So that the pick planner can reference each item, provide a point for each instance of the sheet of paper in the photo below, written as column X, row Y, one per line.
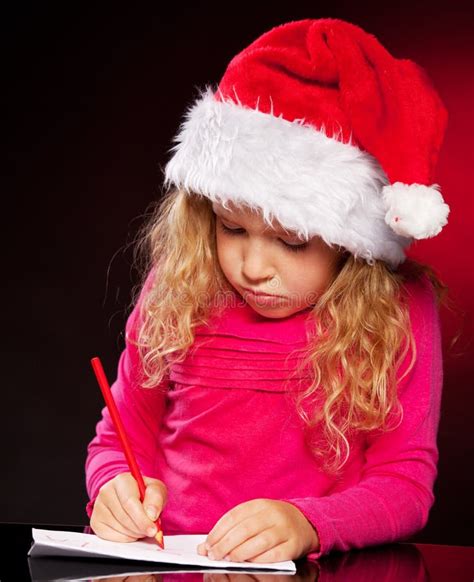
column 179, row 549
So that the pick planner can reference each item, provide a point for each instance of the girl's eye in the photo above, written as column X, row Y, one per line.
column 288, row 246
column 295, row 248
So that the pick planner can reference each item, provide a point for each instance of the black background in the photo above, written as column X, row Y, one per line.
column 93, row 94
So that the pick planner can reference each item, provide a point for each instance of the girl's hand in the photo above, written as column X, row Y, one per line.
column 118, row 513
column 261, row 530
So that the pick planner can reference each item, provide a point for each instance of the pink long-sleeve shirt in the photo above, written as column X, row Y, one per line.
column 222, row 429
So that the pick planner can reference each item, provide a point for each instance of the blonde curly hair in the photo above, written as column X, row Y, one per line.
column 362, row 321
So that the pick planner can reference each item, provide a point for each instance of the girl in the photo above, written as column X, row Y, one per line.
column 304, row 420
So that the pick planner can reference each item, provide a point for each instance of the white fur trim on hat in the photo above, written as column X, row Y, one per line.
column 310, row 183
column 415, row 210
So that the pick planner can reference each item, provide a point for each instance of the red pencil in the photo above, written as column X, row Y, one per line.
column 132, row 463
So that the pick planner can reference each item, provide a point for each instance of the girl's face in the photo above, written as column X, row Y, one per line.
column 255, row 257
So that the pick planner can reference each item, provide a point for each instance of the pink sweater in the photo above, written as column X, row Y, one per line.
column 226, row 432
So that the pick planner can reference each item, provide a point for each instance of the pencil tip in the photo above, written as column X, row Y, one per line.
column 159, row 539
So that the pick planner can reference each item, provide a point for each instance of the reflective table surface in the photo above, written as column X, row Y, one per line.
column 405, row 562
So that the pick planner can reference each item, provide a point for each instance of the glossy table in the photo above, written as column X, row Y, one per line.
column 395, row 562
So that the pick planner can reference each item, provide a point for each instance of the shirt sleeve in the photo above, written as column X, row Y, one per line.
column 392, row 500
column 141, row 411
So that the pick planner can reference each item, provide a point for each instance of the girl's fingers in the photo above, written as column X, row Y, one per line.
column 112, row 531
column 130, row 505
column 119, row 507
column 105, row 525
column 155, row 499
column 122, row 516
column 274, row 554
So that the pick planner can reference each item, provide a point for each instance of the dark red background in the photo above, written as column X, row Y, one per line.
column 93, row 97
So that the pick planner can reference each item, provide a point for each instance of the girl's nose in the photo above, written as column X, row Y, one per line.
column 256, row 265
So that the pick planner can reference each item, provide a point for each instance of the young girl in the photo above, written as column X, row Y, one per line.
column 305, row 420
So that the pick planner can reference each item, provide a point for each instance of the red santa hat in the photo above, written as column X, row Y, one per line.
column 318, row 126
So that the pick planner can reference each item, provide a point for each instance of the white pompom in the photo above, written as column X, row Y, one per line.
column 415, row 210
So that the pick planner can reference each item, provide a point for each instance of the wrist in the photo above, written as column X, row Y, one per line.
column 314, row 544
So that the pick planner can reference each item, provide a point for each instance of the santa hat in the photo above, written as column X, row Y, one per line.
column 318, row 126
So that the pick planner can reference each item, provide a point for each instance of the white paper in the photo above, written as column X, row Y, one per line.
column 179, row 549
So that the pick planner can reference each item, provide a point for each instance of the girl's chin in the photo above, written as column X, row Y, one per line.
column 276, row 311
